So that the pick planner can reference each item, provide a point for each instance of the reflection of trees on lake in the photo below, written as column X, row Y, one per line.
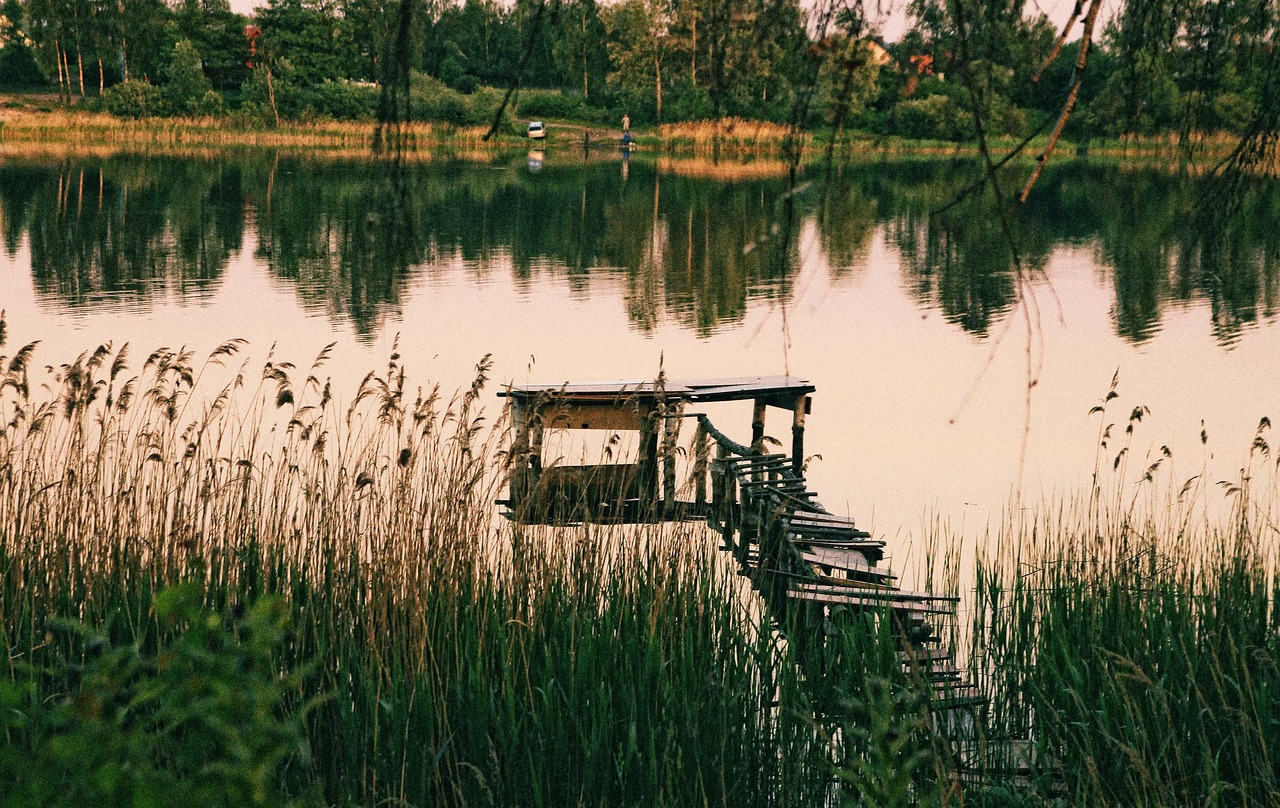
column 959, row 259
column 688, row 242
column 346, row 238
column 123, row 228
column 1145, row 226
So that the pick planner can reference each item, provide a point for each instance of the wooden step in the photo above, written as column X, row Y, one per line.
column 906, row 609
column 849, row 558
column 952, row 697
column 938, row 604
column 925, row 656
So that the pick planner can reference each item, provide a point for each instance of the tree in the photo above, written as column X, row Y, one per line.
column 637, row 50
column 580, row 51
column 188, row 91
column 18, row 66
column 218, row 35
column 305, row 32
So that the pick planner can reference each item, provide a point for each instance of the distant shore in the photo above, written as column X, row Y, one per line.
column 35, row 124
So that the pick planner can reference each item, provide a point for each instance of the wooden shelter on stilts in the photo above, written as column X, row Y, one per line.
column 814, row 570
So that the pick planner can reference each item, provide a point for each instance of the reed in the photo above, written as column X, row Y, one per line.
column 1129, row 638
column 426, row 654
column 433, row 656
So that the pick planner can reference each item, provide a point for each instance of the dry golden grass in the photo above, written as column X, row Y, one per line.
column 27, row 132
column 722, row 171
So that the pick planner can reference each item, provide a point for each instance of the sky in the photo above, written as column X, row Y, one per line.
column 892, row 17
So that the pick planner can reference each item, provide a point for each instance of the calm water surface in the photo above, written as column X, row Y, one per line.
column 565, row 268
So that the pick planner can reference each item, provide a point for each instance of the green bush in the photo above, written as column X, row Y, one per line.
column 549, row 104
column 433, row 101
column 936, row 117
column 342, row 100
column 133, row 99
column 188, row 91
column 200, row 720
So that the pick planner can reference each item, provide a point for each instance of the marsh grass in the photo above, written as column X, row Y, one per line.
column 80, row 130
column 1129, row 639
column 440, row 657
column 435, row 656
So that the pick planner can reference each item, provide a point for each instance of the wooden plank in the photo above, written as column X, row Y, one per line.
column 825, row 519
column 882, row 594
column 623, row 417
column 872, row 547
column 924, row 655
column 958, row 696
column 809, row 529
column 838, row 557
column 595, row 390
column 909, row 609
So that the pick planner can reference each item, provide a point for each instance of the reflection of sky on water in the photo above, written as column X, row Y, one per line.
column 912, row 412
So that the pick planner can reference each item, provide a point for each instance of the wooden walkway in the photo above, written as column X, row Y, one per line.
column 813, row 569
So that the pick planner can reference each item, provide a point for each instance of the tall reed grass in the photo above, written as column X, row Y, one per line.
column 1129, row 639
column 434, row 657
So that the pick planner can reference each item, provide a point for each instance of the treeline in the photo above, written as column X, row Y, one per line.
column 1157, row 66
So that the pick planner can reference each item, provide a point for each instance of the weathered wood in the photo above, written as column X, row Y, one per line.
column 824, row 519
column 625, row 417
column 854, row 589
column 903, row 609
column 670, row 438
column 757, row 425
column 925, row 655
column 849, row 559
column 701, row 458
column 801, row 408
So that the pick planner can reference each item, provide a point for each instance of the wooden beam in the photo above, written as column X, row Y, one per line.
column 801, row 406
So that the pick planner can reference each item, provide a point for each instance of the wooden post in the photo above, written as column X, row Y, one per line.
column 535, row 450
column 670, row 437
column 797, row 435
column 648, row 462
column 757, row 425
column 701, row 452
column 520, row 455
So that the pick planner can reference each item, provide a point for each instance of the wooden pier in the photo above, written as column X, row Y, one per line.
column 813, row 569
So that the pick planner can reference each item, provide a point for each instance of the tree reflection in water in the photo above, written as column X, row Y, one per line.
column 686, row 242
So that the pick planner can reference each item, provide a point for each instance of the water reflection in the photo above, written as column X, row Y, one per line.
column 120, row 232
column 688, row 242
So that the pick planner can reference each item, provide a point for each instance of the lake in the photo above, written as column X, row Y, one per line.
column 920, row 332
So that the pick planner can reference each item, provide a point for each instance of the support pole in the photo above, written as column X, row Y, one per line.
column 757, row 425
column 670, row 436
column 649, row 462
column 701, row 452
column 797, row 435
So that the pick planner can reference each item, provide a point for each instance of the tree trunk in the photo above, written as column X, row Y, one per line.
column 584, row 54
column 693, row 54
column 657, row 82
column 271, row 96
column 102, row 78
column 64, row 75
column 80, row 68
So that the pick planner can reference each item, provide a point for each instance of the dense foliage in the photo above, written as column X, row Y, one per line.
column 1155, row 66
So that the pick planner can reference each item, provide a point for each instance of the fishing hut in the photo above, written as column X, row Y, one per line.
column 644, row 489
column 814, row 570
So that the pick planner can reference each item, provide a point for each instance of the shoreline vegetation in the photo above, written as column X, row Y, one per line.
column 93, row 133
column 226, row 582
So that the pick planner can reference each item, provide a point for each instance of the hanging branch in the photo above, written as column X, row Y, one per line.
column 1067, row 105
column 1062, row 39
column 534, row 30
column 394, row 102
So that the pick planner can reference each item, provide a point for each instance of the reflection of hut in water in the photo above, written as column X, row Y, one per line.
column 637, row 478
